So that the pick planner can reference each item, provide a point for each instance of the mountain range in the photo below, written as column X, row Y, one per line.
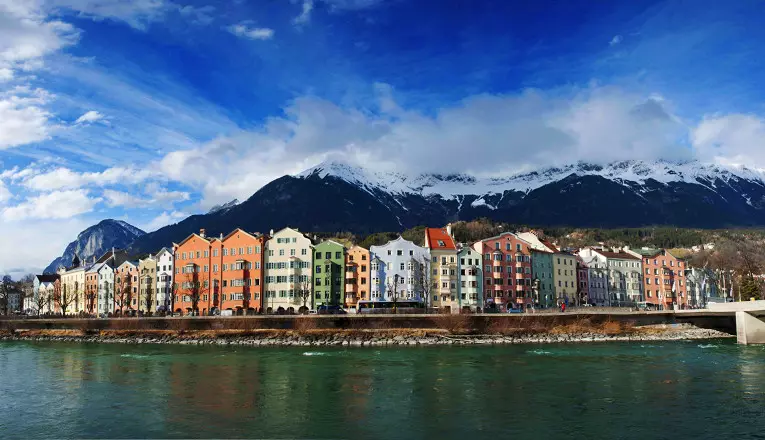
column 335, row 196
column 95, row 241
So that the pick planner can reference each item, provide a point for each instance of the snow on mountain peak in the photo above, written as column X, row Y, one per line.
column 452, row 185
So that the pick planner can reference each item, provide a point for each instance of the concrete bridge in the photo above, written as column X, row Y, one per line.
column 750, row 319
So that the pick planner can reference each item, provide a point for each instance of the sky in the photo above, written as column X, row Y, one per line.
column 152, row 110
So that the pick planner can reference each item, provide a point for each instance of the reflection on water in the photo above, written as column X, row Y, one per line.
column 707, row 390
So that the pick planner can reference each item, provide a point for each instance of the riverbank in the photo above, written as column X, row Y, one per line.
column 360, row 338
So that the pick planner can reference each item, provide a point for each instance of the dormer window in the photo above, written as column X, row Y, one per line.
column 441, row 243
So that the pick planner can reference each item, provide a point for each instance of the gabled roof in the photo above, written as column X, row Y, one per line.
column 240, row 230
column 95, row 268
column 47, row 278
column 329, row 241
column 618, row 255
column 132, row 263
column 189, row 238
column 164, row 250
column 438, row 238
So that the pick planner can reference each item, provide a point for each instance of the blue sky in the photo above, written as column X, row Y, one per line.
column 151, row 110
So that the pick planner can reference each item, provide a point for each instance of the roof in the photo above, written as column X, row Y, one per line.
column 550, row 246
column 618, row 255
column 47, row 278
column 647, row 252
column 255, row 235
column 438, row 238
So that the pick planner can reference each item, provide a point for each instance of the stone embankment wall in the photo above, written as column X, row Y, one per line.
column 476, row 324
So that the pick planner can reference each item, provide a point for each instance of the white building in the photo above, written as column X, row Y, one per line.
column 164, row 279
column 289, row 263
column 105, row 288
column 469, row 278
column 43, row 291
column 399, row 269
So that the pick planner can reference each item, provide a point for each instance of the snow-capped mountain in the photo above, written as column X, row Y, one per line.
column 627, row 173
column 223, row 206
column 96, row 240
column 335, row 196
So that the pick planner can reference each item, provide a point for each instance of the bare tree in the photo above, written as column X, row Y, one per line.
column 305, row 290
column 65, row 298
column 123, row 294
column 194, row 294
column 148, row 298
column 392, row 289
column 423, row 279
column 43, row 298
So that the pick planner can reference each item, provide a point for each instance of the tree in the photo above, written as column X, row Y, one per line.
column 90, row 299
column 43, row 298
column 65, row 298
column 148, row 297
column 5, row 292
column 304, row 293
column 123, row 294
column 194, row 294
column 392, row 289
column 423, row 279
column 750, row 288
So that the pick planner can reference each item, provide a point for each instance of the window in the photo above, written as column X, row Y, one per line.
column 402, row 266
column 281, row 252
column 318, row 269
column 303, row 252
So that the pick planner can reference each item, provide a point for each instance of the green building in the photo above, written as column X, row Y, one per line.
column 328, row 273
column 542, row 274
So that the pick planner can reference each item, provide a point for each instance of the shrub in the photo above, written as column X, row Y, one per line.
column 454, row 324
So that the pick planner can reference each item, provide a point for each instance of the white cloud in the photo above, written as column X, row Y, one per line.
column 136, row 13
column 43, row 240
column 23, row 117
column 616, row 40
column 89, row 117
column 735, row 139
column 164, row 219
column 508, row 133
column 305, row 14
column 243, row 30
column 201, row 15
column 5, row 194
column 159, row 198
column 64, row 178
column 6, row 74
column 54, row 205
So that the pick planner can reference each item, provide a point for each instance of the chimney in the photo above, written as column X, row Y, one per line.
column 202, row 232
column 449, row 229
column 271, row 233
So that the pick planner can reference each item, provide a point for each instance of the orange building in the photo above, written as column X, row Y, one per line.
column 664, row 278
column 238, row 263
column 191, row 285
column 356, row 276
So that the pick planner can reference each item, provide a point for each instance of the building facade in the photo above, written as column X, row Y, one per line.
column 192, row 276
column 147, row 284
column 597, row 277
column 71, row 299
column 506, row 271
column 542, row 278
column 44, row 288
column 663, row 278
column 106, row 289
column 126, row 287
column 624, row 281
column 582, row 281
column 444, row 270
column 237, row 268
column 357, row 281
column 401, row 272
column 289, row 265
column 329, row 273
column 470, row 279
column 164, row 287
column 91, row 289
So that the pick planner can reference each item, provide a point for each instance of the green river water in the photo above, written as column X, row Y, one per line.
column 660, row 390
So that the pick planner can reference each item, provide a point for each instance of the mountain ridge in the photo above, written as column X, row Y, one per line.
column 337, row 197
column 95, row 240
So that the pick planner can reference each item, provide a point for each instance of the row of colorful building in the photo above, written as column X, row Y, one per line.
column 289, row 271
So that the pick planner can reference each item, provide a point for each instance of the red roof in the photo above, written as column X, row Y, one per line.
column 438, row 238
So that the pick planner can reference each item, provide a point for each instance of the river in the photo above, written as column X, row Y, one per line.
column 672, row 390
